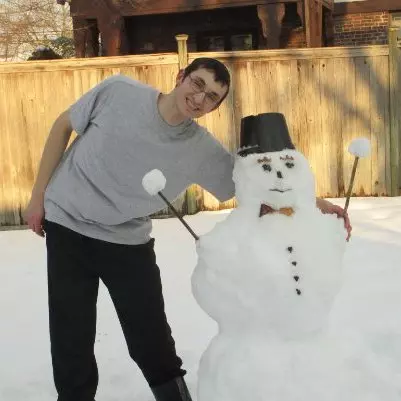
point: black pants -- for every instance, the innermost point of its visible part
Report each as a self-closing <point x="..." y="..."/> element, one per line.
<point x="75" y="265"/>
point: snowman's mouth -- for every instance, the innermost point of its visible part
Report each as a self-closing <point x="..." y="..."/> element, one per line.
<point x="280" y="190"/>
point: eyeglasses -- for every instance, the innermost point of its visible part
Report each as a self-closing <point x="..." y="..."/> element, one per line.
<point x="198" y="86"/>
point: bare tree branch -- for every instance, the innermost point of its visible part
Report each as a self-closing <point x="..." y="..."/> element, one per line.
<point x="26" y="24"/>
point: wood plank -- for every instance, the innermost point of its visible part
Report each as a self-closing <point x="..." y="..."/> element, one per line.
<point x="294" y="115"/>
<point x="334" y="70"/>
<point x="240" y="92"/>
<point x="10" y="207"/>
<point x="4" y="134"/>
<point x="384" y="101"/>
<point x="376" y="126"/>
<point x="379" y="126"/>
<point x="363" y="178"/>
<point x="261" y="73"/>
<point x="273" y="81"/>
<point x="284" y="100"/>
<point x="339" y="97"/>
<point x="313" y="132"/>
<point x="303" y="106"/>
<point x="330" y="141"/>
<point x="349" y="123"/>
<point x="394" y="107"/>
<point x="29" y="135"/>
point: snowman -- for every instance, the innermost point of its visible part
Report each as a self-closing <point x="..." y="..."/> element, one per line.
<point x="269" y="275"/>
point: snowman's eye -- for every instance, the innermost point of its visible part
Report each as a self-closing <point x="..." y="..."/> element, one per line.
<point x="267" y="167"/>
<point x="289" y="165"/>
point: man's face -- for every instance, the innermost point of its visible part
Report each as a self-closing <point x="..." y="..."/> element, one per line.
<point x="198" y="93"/>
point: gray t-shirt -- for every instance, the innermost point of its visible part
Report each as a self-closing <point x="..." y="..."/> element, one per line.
<point x="97" y="188"/>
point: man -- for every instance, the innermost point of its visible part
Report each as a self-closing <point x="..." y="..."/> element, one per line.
<point x="90" y="203"/>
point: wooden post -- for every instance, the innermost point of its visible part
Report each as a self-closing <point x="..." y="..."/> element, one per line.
<point x="307" y="22"/>
<point x="182" y="50"/>
<point x="313" y="23"/>
<point x="114" y="38"/>
<point x="271" y="17"/>
<point x="80" y="27"/>
<point x="329" y="26"/>
<point x="395" y="104"/>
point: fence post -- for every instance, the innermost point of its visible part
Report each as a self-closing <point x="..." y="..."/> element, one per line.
<point x="394" y="37"/>
<point x="182" y="50"/>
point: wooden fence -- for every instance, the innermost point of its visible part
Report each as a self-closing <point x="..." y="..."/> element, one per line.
<point x="328" y="95"/>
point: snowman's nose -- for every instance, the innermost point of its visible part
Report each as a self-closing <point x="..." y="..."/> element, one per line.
<point x="279" y="174"/>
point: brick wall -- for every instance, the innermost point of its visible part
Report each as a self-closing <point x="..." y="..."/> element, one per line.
<point x="361" y="29"/>
<point x="349" y="30"/>
<point x="292" y="37"/>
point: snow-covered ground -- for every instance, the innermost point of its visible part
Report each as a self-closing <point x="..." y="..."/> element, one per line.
<point x="25" y="368"/>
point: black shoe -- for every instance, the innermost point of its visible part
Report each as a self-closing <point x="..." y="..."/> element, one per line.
<point x="174" y="390"/>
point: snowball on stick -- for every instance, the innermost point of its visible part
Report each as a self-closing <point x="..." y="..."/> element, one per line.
<point x="154" y="182"/>
<point x="359" y="147"/>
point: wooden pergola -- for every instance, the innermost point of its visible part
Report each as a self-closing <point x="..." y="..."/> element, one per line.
<point x="107" y="17"/>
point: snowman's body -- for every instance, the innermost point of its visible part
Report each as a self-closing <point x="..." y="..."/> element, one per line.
<point x="271" y="288"/>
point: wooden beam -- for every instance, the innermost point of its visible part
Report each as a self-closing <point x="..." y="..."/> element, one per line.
<point x="85" y="63"/>
<point x="172" y="58"/>
<point x="87" y="8"/>
<point x="366" y="6"/>
<point x="291" y="54"/>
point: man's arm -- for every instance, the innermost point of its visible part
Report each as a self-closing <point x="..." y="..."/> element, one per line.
<point x="53" y="151"/>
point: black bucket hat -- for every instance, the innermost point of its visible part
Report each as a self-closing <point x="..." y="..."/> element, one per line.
<point x="266" y="132"/>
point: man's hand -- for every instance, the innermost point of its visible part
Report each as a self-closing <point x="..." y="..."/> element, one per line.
<point x="34" y="214"/>
<point x="55" y="146"/>
<point x="327" y="207"/>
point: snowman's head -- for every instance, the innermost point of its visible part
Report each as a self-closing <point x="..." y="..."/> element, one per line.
<point x="278" y="179"/>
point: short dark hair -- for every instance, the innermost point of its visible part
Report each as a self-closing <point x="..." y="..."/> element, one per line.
<point x="219" y="70"/>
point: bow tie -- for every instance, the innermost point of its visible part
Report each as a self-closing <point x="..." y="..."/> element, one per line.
<point x="265" y="209"/>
